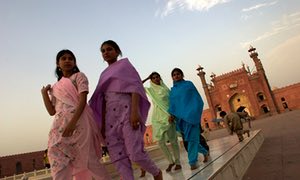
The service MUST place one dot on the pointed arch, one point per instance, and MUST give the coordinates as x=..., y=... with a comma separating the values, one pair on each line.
x=237, y=100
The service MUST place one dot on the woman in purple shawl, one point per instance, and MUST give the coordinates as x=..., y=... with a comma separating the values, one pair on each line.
x=121, y=107
x=186, y=107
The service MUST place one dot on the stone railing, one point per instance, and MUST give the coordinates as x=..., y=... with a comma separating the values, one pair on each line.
x=43, y=174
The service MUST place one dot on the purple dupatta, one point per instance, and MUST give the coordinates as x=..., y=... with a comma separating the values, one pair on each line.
x=120, y=77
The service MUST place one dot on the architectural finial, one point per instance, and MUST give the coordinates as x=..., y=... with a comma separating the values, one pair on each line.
x=200, y=68
x=213, y=75
x=243, y=64
x=251, y=48
x=248, y=70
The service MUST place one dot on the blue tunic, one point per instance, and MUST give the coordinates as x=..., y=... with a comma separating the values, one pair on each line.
x=186, y=105
x=185, y=102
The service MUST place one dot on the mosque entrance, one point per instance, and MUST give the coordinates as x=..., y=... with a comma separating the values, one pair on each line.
x=238, y=100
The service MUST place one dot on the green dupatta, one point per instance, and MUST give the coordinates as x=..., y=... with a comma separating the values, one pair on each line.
x=159, y=95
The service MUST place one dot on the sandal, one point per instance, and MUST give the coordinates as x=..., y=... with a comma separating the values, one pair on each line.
x=248, y=133
x=177, y=167
x=170, y=167
x=195, y=166
x=143, y=173
x=205, y=158
x=159, y=176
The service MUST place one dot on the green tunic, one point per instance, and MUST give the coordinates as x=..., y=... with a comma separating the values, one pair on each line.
x=159, y=95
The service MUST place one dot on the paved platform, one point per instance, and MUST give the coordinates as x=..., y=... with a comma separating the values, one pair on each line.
x=228, y=159
x=279, y=156
x=277, y=159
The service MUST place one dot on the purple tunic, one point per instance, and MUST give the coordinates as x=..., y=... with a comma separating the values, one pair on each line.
x=119, y=77
x=116, y=84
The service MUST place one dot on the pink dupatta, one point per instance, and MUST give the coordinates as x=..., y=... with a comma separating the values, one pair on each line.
x=90, y=136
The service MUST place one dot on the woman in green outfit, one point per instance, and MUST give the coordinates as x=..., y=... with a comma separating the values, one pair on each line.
x=163, y=131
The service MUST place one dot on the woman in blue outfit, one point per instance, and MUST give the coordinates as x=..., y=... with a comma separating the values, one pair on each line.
x=186, y=107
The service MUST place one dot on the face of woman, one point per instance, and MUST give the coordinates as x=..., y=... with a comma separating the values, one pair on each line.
x=155, y=79
x=66, y=63
x=177, y=76
x=109, y=54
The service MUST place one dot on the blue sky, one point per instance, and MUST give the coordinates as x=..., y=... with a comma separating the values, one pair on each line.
x=156, y=35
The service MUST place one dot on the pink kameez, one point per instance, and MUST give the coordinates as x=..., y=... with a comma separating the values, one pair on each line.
x=82, y=150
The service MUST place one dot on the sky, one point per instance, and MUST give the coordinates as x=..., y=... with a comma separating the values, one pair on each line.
x=156, y=35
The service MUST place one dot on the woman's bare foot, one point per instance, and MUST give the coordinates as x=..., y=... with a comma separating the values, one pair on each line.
x=170, y=167
x=159, y=176
x=248, y=133
x=205, y=158
x=143, y=173
x=195, y=166
x=177, y=167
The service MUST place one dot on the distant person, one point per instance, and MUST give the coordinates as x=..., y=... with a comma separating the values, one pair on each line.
x=46, y=159
x=247, y=118
x=74, y=139
x=163, y=130
x=121, y=106
x=234, y=124
x=185, y=109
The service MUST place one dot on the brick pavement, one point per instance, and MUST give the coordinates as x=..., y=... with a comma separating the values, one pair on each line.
x=279, y=156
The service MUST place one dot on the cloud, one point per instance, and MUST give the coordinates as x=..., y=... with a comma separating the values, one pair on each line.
x=247, y=11
x=287, y=22
x=284, y=59
x=190, y=5
x=259, y=6
x=290, y=47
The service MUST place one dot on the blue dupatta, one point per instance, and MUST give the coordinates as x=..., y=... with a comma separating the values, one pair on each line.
x=185, y=102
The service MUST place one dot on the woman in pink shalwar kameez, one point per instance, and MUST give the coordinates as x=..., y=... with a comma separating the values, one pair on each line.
x=121, y=107
x=74, y=139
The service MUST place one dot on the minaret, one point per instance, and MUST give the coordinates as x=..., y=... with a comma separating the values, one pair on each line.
x=254, y=55
x=201, y=74
x=261, y=72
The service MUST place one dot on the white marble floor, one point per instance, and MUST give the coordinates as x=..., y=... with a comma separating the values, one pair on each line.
x=218, y=147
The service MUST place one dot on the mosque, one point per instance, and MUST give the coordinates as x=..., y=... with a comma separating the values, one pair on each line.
x=241, y=87
x=226, y=92
x=251, y=90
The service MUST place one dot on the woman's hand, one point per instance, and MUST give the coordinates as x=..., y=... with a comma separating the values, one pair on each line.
x=78, y=111
x=47, y=102
x=134, y=120
x=69, y=129
x=45, y=89
x=171, y=119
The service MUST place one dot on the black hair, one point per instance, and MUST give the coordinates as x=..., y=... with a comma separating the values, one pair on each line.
x=223, y=113
x=178, y=70
x=58, y=72
x=112, y=44
x=154, y=73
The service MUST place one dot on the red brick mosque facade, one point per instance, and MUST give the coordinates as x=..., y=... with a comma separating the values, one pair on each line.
x=240, y=87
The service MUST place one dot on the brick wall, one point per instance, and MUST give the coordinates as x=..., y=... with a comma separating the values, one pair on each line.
x=19, y=163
